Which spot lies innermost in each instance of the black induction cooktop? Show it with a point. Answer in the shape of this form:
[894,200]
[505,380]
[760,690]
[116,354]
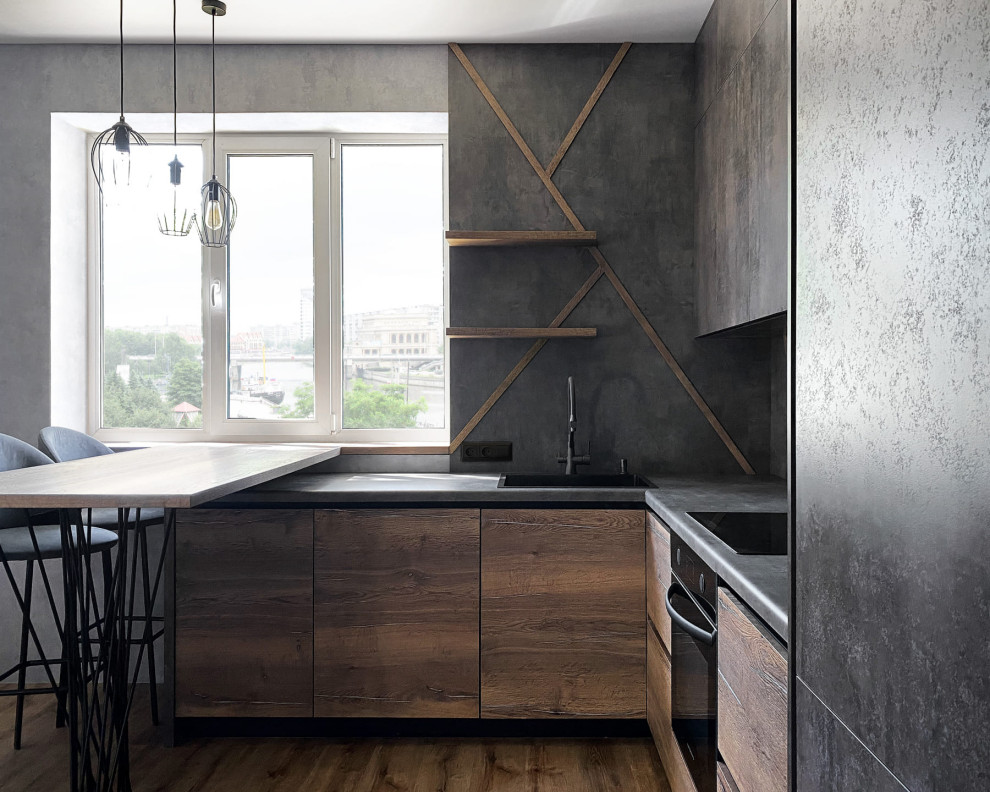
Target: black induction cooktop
[748,533]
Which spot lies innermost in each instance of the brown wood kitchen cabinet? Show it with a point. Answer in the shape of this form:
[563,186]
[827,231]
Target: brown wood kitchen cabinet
[563,615]
[752,701]
[658,700]
[396,613]
[243,613]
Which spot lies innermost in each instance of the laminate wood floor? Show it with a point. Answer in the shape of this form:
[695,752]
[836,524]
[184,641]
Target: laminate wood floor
[290,765]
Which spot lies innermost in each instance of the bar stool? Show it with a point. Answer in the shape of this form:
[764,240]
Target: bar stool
[22,538]
[64,445]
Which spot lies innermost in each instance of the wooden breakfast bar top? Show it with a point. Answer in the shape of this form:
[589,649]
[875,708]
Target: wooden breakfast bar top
[170,476]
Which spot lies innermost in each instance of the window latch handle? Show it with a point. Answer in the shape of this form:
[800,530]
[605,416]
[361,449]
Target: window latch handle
[216,294]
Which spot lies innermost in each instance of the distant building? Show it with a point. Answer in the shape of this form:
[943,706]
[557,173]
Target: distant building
[400,332]
[246,343]
[305,313]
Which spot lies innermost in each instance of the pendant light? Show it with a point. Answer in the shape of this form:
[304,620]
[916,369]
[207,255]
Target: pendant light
[171,224]
[218,209]
[111,153]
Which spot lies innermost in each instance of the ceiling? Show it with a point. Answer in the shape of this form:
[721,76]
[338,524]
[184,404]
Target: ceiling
[358,22]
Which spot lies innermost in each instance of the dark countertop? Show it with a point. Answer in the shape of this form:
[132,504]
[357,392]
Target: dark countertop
[760,581]
[330,489]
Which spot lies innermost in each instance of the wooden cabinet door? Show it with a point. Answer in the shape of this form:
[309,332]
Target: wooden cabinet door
[752,699]
[563,614]
[658,576]
[658,715]
[396,613]
[244,613]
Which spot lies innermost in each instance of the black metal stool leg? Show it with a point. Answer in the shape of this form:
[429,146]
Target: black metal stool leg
[22,669]
[148,622]
[62,690]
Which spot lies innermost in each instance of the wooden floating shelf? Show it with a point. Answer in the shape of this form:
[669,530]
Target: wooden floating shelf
[521,238]
[522,332]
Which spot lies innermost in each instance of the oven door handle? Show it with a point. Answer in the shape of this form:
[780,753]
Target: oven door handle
[707,638]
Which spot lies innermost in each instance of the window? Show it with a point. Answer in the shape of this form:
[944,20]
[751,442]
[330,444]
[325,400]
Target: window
[150,295]
[300,328]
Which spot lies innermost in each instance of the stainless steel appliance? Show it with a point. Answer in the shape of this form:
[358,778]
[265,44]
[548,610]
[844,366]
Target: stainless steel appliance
[693,632]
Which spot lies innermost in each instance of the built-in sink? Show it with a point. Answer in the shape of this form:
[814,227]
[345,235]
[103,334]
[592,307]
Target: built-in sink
[583,480]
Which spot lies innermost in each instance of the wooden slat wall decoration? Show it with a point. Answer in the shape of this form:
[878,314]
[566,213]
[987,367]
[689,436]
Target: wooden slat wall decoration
[522,332]
[396,613]
[544,175]
[588,107]
[244,613]
[520,238]
[525,361]
[562,624]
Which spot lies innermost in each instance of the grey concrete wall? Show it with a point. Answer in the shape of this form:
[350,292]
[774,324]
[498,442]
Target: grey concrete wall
[629,176]
[39,80]
[893,396]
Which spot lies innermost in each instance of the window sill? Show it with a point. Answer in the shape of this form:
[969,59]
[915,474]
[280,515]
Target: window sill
[397,449]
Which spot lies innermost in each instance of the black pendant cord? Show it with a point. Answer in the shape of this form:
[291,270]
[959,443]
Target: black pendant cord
[121,60]
[213,49]
[175,83]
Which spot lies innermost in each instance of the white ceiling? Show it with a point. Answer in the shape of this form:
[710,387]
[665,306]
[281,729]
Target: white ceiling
[358,21]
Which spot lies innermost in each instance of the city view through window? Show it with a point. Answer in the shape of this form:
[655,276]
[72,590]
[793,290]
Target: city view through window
[391,359]
[151,297]
[393,286]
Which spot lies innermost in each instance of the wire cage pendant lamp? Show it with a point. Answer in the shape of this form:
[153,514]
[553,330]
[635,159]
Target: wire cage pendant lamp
[110,156]
[169,221]
[218,209]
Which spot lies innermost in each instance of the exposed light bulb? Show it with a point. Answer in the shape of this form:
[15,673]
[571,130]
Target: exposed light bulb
[214,215]
[121,155]
[121,168]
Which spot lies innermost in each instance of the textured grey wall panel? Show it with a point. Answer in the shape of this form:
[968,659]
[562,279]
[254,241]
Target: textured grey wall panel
[629,176]
[830,758]
[41,79]
[893,385]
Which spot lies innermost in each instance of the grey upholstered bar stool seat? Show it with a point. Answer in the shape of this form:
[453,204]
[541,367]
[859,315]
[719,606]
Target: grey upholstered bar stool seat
[21,540]
[66,445]
[16,543]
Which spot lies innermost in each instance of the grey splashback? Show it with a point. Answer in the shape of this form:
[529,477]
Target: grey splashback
[893,394]
[629,176]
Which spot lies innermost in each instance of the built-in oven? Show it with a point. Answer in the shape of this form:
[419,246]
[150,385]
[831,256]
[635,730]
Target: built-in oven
[691,604]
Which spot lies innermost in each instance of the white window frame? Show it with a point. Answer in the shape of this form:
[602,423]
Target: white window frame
[327,305]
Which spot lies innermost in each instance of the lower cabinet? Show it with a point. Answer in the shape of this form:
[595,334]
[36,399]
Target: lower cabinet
[396,613]
[244,613]
[658,699]
[658,575]
[726,783]
[562,614]
[658,714]
[752,699]
[411,613]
